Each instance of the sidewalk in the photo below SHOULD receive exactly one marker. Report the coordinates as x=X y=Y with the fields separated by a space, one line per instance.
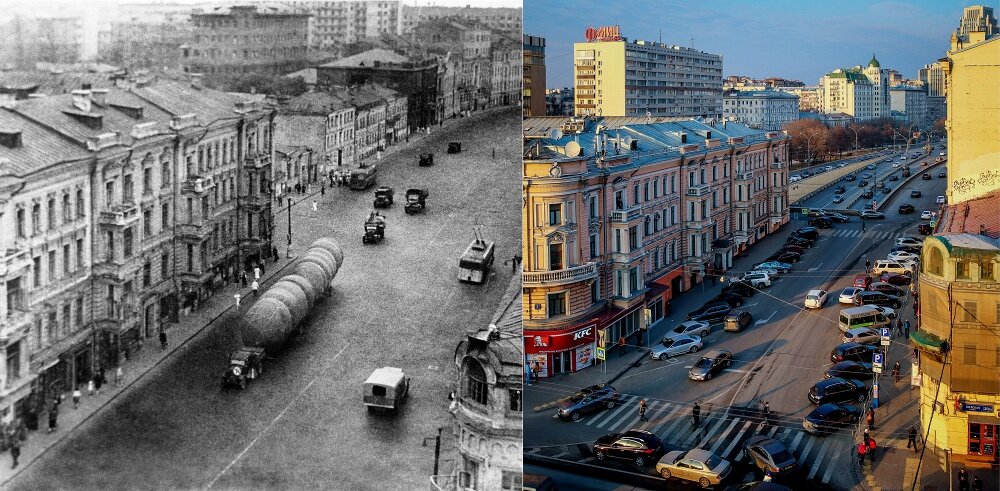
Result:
x=151 y=356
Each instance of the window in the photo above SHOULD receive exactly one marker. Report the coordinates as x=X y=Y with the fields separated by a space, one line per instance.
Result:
x=595 y=292
x=986 y=270
x=514 y=396
x=970 y=354
x=164 y=215
x=80 y=204
x=556 y=304
x=111 y=301
x=635 y=194
x=633 y=280
x=20 y=223
x=127 y=188
x=66 y=318
x=962 y=270
x=147 y=274
x=164 y=265
x=52 y=266
x=555 y=214
x=511 y=480
x=645 y=191
x=66 y=260
x=593 y=246
x=79 y=253
x=109 y=194
x=67 y=209
x=969 y=312
x=633 y=238
x=127 y=242
x=555 y=257
x=165 y=174
x=476 y=388
x=14 y=361
x=111 y=245
x=147 y=223
x=79 y=313
x=190 y=257
x=204 y=207
x=593 y=207
x=36 y=217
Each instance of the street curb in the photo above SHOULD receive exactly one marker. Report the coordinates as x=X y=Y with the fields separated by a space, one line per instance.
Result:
x=129 y=385
x=633 y=364
x=906 y=181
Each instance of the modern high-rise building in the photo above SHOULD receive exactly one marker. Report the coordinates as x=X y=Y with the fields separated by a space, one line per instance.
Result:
x=339 y=23
x=617 y=77
x=861 y=92
x=534 y=76
x=761 y=109
x=933 y=79
x=910 y=103
x=977 y=18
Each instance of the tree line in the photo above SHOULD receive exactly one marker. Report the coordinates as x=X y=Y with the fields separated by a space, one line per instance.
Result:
x=813 y=141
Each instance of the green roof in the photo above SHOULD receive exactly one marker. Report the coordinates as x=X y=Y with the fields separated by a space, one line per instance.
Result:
x=874 y=62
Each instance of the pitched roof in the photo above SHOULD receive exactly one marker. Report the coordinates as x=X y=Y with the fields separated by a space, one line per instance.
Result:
x=53 y=83
x=314 y=103
x=40 y=147
x=178 y=99
x=368 y=58
x=972 y=216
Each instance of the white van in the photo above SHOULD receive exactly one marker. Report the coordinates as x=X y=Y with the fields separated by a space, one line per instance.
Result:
x=864 y=316
x=885 y=265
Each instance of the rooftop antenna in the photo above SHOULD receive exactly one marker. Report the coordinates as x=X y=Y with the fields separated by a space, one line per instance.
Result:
x=661 y=35
x=692 y=42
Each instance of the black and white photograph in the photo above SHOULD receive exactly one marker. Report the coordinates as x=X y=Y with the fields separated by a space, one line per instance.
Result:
x=260 y=245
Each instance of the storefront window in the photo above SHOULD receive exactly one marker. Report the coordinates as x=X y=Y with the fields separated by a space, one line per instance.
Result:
x=982 y=439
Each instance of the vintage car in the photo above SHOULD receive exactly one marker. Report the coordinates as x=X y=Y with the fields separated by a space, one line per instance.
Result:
x=416 y=200
x=454 y=147
x=363 y=178
x=246 y=363
x=374 y=229
x=383 y=197
x=475 y=263
x=386 y=389
x=426 y=159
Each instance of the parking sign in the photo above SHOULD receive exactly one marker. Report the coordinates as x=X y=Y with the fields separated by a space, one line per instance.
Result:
x=877 y=359
x=885 y=333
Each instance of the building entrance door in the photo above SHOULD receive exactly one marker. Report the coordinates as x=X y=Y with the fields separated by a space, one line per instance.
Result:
x=983 y=440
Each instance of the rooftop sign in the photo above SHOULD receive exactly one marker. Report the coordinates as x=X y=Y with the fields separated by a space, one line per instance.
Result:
x=603 y=33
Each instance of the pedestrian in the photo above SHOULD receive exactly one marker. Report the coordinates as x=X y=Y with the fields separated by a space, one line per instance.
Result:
x=98 y=382
x=274 y=252
x=237 y=297
x=906 y=329
x=315 y=205
x=322 y=190
x=642 y=410
x=916 y=354
x=862 y=450
x=669 y=309
x=527 y=373
x=261 y=264
x=868 y=264
x=76 y=397
x=977 y=485
x=897 y=328
x=255 y=287
x=912 y=438
x=163 y=339
x=621 y=346
x=536 y=369
x=866 y=437
x=494 y=152
x=871 y=450
x=119 y=375
x=15 y=449
x=696 y=415
x=870 y=419
x=895 y=371
x=256 y=272
x=243 y=278
x=963 y=480
x=53 y=417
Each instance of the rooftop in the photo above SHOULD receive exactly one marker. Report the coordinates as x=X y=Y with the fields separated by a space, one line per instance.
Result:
x=39 y=148
x=768 y=94
x=972 y=217
x=314 y=103
x=369 y=58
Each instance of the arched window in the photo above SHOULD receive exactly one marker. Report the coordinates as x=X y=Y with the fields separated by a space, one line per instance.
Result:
x=935 y=262
x=475 y=387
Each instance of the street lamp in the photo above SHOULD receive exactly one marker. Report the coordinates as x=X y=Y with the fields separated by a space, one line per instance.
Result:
x=289 y=253
x=855 y=130
x=809 y=147
x=437 y=449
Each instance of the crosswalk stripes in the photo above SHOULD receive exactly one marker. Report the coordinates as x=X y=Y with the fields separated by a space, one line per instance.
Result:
x=614 y=413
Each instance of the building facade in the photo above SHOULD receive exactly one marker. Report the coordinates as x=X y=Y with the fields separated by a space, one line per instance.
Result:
x=765 y=109
x=933 y=77
x=559 y=102
x=320 y=121
x=503 y=19
x=487 y=410
x=617 y=77
x=862 y=92
x=293 y=165
x=27 y=41
x=534 y=75
x=621 y=215
x=809 y=97
x=245 y=39
x=911 y=102
x=506 y=71
x=977 y=18
x=335 y=24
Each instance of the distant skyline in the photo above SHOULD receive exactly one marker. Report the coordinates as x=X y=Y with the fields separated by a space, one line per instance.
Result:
x=784 y=38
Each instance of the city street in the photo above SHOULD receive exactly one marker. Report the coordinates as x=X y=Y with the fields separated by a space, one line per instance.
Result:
x=302 y=424
x=883 y=171
x=785 y=350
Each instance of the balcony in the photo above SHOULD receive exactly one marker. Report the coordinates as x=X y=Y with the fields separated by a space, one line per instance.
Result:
x=121 y=215
x=18 y=316
x=197 y=185
x=116 y=267
x=778 y=165
x=199 y=230
x=254 y=203
x=698 y=191
x=14 y=259
x=625 y=216
x=741 y=204
x=627 y=257
x=256 y=160
x=575 y=274
x=741 y=236
x=744 y=176
x=695 y=225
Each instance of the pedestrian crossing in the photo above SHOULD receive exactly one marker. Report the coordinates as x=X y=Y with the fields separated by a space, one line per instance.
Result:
x=723 y=434
x=870 y=234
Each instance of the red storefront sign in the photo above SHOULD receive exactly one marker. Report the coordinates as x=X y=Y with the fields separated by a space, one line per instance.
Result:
x=603 y=33
x=559 y=340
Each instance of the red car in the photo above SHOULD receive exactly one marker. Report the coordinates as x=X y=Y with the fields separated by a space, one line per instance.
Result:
x=924 y=228
x=895 y=278
x=862 y=281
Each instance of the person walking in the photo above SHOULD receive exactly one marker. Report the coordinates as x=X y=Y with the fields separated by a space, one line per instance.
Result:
x=243 y=278
x=90 y=387
x=977 y=485
x=527 y=373
x=642 y=410
x=868 y=264
x=76 y=397
x=963 y=480
x=899 y=327
x=871 y=450
x=895 y=371
x=15 y=448
x=906 y=329
x=256 y=272
x=163 y=339
x=866 y=437
x=912 y=438
x=256 y=288
x=119 y=375
x=98 y=382
x=322 y=190
x=696 y=415
x=870 y=419
x=621 y=346
x=862 y=450
x=53 y=417
x=315 y=205
x=237 y=297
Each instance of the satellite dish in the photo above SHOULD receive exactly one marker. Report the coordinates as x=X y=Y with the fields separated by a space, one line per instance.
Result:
x=555 y=134
x=627 y=141
x=573 y=149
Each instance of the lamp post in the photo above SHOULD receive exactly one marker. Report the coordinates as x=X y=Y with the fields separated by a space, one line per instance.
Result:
x=855 y=130
x=809 y=147
x=289 y=252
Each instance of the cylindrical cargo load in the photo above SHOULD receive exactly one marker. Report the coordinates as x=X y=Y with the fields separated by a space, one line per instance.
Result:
x=313 y=273
x=306 y=287
x=329 y=257
x=267 y=324
x=332 y=246
x=323 y=259
x=292 y=296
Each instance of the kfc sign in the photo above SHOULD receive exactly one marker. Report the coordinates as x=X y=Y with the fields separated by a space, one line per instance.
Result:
x=603 y=33
x=582 y=333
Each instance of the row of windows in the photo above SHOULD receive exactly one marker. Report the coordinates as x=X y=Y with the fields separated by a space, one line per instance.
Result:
x=70 y=214
x=58 y=323
x=52 y=272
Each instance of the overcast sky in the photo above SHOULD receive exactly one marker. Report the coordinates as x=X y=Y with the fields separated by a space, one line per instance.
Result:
x=793 y=39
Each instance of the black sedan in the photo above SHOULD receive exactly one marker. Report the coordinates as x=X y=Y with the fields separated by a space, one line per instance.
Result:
x=710 y=313
x=849 y=369
x=799 y=241
x=854 y=352
x=769 y=455
x=877 y=298
x=710 y=363
x=888 y=289
x=827 y=418
x=926 y=177
x=785 y=257
x=793 y=248
x=838 y=390
x=906 y=208
x=895 y=278
x=733 y=299
x=894 y=177
x=588 y=400
x=638 y=446
x=850 y=177
x=839 y=218
x=740 y=288
x=808 y=232
x=840 y=190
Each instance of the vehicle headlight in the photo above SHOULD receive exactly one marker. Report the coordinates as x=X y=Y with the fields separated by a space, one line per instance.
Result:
x=237 y=371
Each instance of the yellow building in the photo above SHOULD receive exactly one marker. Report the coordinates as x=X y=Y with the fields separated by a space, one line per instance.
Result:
x=972 y=76
x=959 y=316
x=617 y=77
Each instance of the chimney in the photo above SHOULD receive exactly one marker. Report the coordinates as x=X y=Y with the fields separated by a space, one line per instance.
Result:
x=724 y=123
x=10 y=138
x=708 y=134
x=81 y=100
x=99 y=96
x=195 y=80
x=684 y=138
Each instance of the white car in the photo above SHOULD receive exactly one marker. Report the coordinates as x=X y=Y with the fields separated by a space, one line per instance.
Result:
x=847 y=295
x=677 y=345
x=896 y=164
x=926 y=215
x=883 y=265
x=757 y=279
x=940 y=200
x=862 y=335
x=815 y=299
x=909 y=242
x=903 y=256
x=699 y=328
x=771 y=272
x=888 y=312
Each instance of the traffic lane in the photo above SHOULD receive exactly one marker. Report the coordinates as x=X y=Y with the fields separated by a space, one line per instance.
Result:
x=144 y=438
x=575 y=481
x=824 y=199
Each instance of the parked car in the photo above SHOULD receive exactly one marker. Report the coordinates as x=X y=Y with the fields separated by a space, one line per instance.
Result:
x=877 y=298
x=815 y=299
x=925 y=229
x=787 y=257
x=910 y=241
x=871 y=214
x=736 y=320
x=838 y=390
x=694 y=328
x=895 y=278
x=926 y=215
x=799 y=241
x=588 y=400
x=772 y=264
x=821 y=222
x=732 y=299
x=711 y=310
x=676 y=345
x=757 y=279
x=807 y=232
x=902 y=256
x=700 y=466
x=888 y=289
x=862 y=281
x=793 y=248
x=915 y=193
x=906 y=209
x=847 y=295
x=883 y=265
x=769 y=455
x=638 y=446
x=741 y=288
x=862 y=335
x=851 y=370
x=888 y=312
x=853 y=351
x=711 y=363
x=828 y=418
x=897 y=248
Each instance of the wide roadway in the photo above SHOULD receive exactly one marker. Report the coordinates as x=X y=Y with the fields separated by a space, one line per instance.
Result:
x=883 y=171
x=783 y=353
x=302 y=425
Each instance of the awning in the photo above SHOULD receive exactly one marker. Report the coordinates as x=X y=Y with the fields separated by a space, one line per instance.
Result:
x=929 y=342
x=655 y=290
x=51 y=364
x=984 y=419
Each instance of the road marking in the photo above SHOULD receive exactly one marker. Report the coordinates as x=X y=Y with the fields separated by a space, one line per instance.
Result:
x=837 y=452
x=273 y=421
x=673 y=427
x=805 y=451
x=665 y=419
x=722 y=438
x=762 y=321
x=819 y=459
x=795 y=442
x=749 y=305
x=560 y=454
x=814 y=268
x=613 y=414
x=736 y=440
x=656 y=414
x=432 y=367
x=709 y=435
x=770 y=434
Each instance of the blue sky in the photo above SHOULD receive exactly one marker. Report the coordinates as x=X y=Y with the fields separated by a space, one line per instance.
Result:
x=800 y=40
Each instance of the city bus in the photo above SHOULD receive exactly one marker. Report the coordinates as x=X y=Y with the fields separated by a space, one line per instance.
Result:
x=475 y=263
x=864 y=316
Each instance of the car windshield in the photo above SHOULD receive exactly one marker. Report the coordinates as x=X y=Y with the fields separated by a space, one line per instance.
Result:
x=704 y=363
x=667 y=343
x=812 y=297
x=680 y=328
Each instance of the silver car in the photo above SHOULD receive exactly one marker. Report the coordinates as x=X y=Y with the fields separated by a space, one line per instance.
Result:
x=677 y=345
x=696 y=328
x=862 y=335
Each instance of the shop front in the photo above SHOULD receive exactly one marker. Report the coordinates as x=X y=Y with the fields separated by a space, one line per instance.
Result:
x=566 y=350
x=982 y=434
